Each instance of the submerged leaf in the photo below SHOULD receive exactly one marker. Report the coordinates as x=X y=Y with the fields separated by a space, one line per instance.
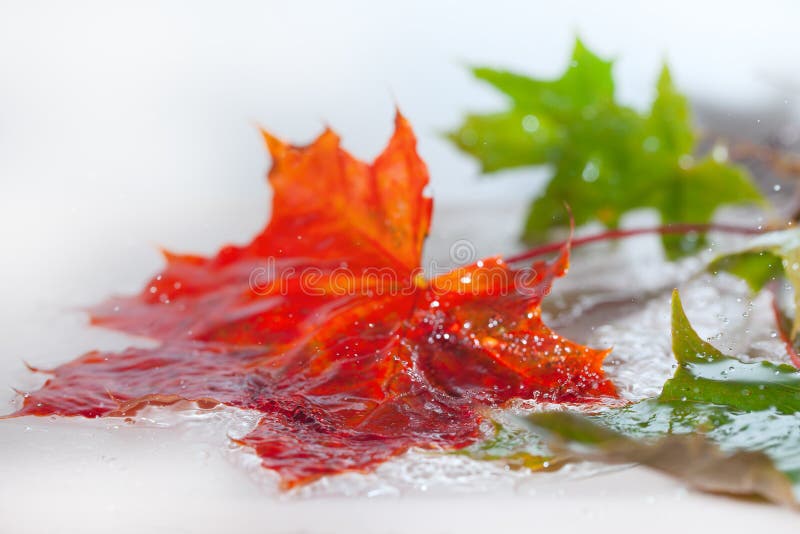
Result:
x=513 y=445
x=325 y=324
x=721 y=424
x=694 y=458
x=608 y=159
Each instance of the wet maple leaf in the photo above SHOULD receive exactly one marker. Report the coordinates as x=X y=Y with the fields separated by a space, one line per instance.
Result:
x=607 y=159
x=325 y=324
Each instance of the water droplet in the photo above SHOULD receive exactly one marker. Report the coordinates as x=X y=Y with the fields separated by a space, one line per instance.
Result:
x=651 y=144
x=590 y=172
x=685 y=161
x=530 y=123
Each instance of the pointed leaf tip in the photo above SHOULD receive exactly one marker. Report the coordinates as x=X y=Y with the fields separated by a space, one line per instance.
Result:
x=675 y=300
x=401 y=124
x=328 y=138
x=276 y=147
x=687 y=346
x=665 y=74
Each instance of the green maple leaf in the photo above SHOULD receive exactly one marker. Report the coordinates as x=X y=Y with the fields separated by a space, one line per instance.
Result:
x=722 y=424
x=607 y=158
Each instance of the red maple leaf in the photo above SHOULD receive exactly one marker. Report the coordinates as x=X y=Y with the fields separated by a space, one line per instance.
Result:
x=325 y=324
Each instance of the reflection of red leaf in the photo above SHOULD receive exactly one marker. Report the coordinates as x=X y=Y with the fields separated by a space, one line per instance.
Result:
x=325 y=325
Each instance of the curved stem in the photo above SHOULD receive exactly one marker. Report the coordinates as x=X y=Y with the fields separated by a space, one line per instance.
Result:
x=669 y=229
x=780 y=323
